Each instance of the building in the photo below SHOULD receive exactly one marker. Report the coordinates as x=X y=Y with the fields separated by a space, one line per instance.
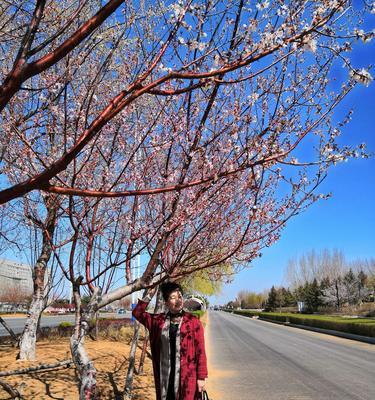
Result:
x=60 y=309
x=15 y=277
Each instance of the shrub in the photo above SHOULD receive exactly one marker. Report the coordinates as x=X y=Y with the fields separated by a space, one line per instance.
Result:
x=360 y=326
x=115 y=329
x=65 y=324
x=64 y=329
x=274 y=316
x=198 y=313
x=247 y=313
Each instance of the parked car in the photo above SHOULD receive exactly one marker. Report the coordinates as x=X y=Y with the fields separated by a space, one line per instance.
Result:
x=121 y=311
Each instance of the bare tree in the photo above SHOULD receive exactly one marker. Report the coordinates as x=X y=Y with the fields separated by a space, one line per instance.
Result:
x=315 y=265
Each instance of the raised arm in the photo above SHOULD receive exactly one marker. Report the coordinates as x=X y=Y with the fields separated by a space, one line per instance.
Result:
x=140 y=313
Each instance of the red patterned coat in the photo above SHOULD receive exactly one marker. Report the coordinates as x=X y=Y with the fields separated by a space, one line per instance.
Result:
x=193 y=356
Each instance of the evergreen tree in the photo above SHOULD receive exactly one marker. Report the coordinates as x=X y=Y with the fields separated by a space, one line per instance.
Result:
x=272 y=299
x=313 y=296
x=325 y=283
x=288 y=298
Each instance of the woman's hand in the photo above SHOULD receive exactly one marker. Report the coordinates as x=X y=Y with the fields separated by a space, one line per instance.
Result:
x=150 y=294
x=201 y=385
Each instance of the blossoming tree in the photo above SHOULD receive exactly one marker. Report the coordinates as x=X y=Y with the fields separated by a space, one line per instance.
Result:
x=163 y=50
x=180 y=127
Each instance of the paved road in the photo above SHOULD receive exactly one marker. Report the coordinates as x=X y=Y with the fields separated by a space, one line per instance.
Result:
x=256 y=360
x=17 y=324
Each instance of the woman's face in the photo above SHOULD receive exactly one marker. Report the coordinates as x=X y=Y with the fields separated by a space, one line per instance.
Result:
x=175 y=302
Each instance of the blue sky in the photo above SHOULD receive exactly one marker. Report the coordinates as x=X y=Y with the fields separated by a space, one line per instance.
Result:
x=346 y=221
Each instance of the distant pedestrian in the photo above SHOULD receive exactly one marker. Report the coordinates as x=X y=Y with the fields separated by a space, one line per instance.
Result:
x=177 y=346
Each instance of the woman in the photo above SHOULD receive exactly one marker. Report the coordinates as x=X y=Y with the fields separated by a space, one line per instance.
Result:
x=177 y=346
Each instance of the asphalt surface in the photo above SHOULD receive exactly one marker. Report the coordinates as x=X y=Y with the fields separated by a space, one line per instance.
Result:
x=256 y=360
x=18 y=323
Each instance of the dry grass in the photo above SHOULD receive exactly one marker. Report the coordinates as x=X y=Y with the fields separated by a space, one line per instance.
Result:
x=13 y=315
x=110 y=357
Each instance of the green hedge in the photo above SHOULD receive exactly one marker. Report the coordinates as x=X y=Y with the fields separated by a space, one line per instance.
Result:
x=357 y=326
x=246 y=313
x=280 y=317
x=197 y=313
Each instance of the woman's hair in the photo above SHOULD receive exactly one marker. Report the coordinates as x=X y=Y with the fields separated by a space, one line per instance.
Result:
x=168 y=287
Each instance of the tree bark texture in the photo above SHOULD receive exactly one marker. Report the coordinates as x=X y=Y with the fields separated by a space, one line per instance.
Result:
x=133 y=348
x=10 y=390
x=85 y=367
x=130 y=374
x=41 y=368
x=143 y=354
x=40 y=286
x=28 y=338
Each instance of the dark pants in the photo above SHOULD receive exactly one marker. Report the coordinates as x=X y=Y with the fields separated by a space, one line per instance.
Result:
x=170 y=393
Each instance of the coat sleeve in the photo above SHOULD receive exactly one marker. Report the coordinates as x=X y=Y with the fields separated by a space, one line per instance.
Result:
x=200 y=352
x=140 y=314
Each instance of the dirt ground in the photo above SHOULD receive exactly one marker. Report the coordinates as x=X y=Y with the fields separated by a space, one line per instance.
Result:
x=110 y=359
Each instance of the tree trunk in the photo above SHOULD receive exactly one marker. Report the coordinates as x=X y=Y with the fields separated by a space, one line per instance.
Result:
x=338 y=303
x=84 y=366
x=97 y=325
x=143 y=354
x=13 y=392
x=130 y=374
x=133 y=348
x=37 y=368
x=28 y=338
x=40 y=286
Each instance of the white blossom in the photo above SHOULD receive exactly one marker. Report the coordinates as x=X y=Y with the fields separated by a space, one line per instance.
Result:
x=310 y=45
x=294 y=160
x=177 y=9
x=253 y=97
x=267 y=40
x=193 y=44
x=216 y=60
x=163 y=68
x=262 y=6
x=282 y=11
x=331 y=4
x=361 y=76
x=359 y=33
x=201 y=46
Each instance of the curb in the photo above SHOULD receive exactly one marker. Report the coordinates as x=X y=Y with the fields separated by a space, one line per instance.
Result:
x=352 y=336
